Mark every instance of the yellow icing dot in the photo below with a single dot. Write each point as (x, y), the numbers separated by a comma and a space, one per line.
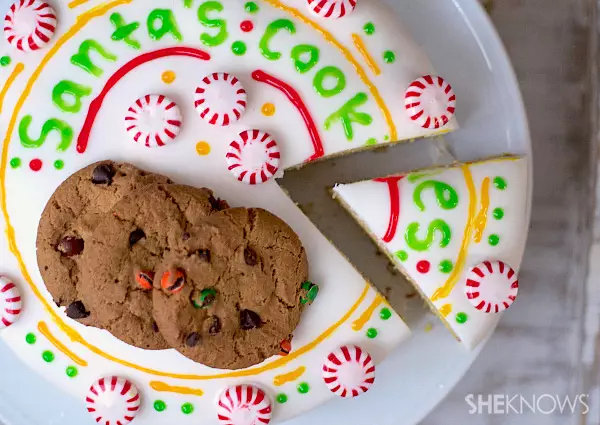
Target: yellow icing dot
(446, 309)
(168, 77)
(202, 148)
(268, 109)
(428, 327)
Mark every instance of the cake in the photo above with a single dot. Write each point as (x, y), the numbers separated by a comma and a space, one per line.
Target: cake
(454, 232)
(219, 94)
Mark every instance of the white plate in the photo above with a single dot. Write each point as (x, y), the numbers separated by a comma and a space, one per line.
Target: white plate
(465, 49)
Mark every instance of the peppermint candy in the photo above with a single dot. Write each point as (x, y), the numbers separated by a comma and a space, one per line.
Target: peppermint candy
(333, 9)
(10, 302)
(430, 102)
(29, 24)
(244, 405)
(492, 287)
(220, 99)
(349, 371)
(154, 120)
(113, 401)
(253, 157)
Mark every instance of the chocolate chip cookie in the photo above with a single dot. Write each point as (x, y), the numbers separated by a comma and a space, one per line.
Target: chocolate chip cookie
(231, 292)
(124, 250)
(70, 217)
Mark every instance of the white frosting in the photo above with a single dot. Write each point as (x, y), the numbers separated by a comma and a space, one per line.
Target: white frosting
(370, 203)
(344, 294)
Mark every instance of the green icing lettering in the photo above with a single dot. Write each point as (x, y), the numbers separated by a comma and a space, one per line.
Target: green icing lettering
(329, 72)
(168, 24)
(273, 28)
(82, 58)
(187, 3)
(221, 24)
(440, 226)
(54, 124)
(73, 90)
(348, 114)
(298, 53)
(123, 31)
(446, 196)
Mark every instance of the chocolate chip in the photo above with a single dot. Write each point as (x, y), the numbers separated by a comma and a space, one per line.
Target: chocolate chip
(77, 310)
(204, 255)
(215, 326)
(136, 236)
(155, 327)
(70, 246)
(193, 339)
(186, 236)
(250, 257)
(218, 204)
(249, 320)
(103, 174)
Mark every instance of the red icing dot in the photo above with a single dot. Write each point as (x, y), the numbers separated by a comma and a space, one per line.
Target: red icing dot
(247, 26)
(423, 266)
(35, 164)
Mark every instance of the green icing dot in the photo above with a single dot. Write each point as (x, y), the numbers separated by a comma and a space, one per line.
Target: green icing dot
(494, 240)
(59, 164)
(161, 406)
(372, 141)
(238, 48)
(48, 356)
(372, 333)
(462, 317)
(30, 338)
(446, 266)
(369, 28)
(386, 137)
(303, 388)
(389, 57)
(251, 7)
(187, 408)
(402, 255)
(498, 213)
(500, 183)
(5, 61)
(72, 371)
(281, 398)
(15, 162)
(385, 314)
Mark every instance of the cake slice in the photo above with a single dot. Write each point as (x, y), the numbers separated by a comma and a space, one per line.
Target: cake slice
(457, 234)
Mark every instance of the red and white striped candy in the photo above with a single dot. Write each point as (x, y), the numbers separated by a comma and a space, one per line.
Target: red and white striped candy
(349, 371)
(220, 99)
(29, 24)
(113, 401)
(244, 405)
(253, 157)
(492, 286)
(430, 102)
(10, 302)
(331, 8)
(154, 120)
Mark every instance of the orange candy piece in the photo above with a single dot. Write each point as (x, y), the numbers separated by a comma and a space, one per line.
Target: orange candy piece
(173, 280)
(286, 347)
(144, 279)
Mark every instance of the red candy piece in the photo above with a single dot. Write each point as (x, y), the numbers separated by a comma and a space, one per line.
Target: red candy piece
(173, 281)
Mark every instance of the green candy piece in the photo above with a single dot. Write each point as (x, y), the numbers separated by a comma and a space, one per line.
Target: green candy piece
(312, 291)
(494, 240)
(462, 318)
(30, 338)
(385, 314)
(72, 371)
(239, 48)
(303, 388)
(48, 356)
(160, 406)
(59, 164)
(206, 299)
(251, 7)
(500, 183)
(15, 163)
(498, 213)
(187, 408)
(402, 255)
(446, 266)
(369, 28)
(4, 61)
(389, 57)
(372, 333)
(281, 398)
